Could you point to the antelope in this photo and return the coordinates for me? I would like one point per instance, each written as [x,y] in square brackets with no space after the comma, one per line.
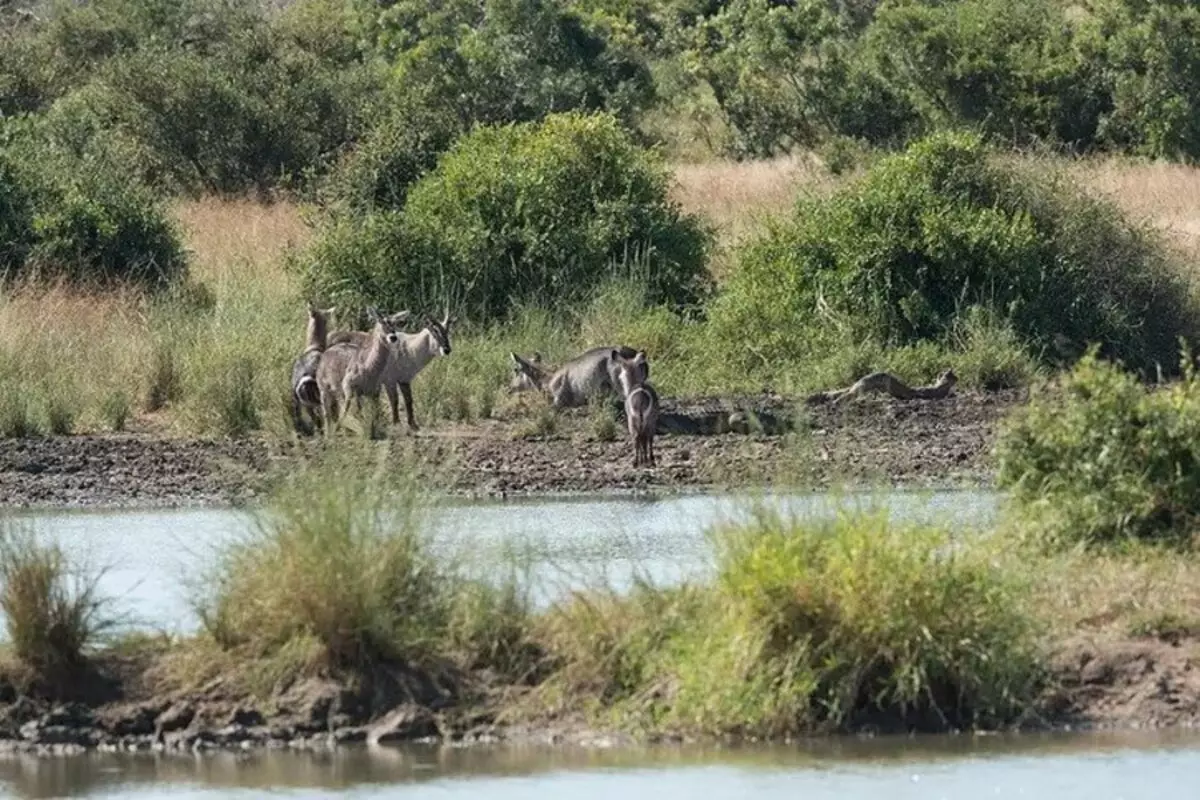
[591,373]
[349,371]
[641,405]
[411,353]
[305,394]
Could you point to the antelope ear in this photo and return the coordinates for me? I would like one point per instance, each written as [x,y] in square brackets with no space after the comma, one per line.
[329,312]
[640,358]
[615,355]
[516,358]
[400,317]
[312,307]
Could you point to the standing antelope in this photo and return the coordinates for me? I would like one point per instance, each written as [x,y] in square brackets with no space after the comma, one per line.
[305,394]
[409,356]
[349,371]
[641,405]
[588,374]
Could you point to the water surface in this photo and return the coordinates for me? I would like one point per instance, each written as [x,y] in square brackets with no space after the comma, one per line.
[155,559]
[1103,766]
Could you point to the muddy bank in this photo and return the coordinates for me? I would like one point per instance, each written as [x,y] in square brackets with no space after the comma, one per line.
[878,440]
[1111,683]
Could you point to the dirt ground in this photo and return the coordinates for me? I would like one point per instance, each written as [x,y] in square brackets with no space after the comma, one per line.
[879,441]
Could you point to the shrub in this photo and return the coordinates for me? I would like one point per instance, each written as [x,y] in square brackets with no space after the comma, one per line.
[502,61]
[52,613]
[525,213]
[16,218]
[340,569]
[1099,458]
[1015,72]
[898,256]
[1155,73]
[809,626]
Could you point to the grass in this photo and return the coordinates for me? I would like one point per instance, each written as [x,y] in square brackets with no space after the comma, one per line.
[213,358]
[340,576]
[808,626]
[54,613]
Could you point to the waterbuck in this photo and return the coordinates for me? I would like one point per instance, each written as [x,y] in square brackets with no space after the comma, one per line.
[410,354]
[641,405]
[349,371]
[576,381]
[306,397]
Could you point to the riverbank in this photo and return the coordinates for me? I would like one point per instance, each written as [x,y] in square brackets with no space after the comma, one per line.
[1106,683]
[876,440]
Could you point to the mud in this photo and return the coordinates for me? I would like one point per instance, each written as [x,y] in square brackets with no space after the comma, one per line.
[1093,684]
[729,442]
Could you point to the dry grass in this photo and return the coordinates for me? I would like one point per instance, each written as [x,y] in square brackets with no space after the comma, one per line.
[1166,195]
[1117,594]
[734,196]
[227,238]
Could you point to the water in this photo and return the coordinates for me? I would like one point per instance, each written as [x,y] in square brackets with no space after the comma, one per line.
[1107,766]
[153,556]
[154,559]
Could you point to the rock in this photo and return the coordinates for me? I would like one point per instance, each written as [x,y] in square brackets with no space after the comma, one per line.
[404,723]
[247,717]
[175,718]
[138,720]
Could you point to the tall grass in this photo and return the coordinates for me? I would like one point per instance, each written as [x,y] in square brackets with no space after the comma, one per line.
[809,626]
[53,610]
[339,573]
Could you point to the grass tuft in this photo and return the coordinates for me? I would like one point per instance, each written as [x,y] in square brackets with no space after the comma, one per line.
[810,626]
[53,613]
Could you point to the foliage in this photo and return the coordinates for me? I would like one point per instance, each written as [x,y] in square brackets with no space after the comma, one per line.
[534,212]
[505,60]
[1099,458]
[898,256]
[53,611]
[809,625]
[80,219]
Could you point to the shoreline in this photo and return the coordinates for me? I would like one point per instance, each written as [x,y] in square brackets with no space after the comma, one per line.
[1129,683]
[940,444]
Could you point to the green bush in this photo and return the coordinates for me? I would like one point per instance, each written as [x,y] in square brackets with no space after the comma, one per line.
[900,255]
[1100,458]
[540,212]
[809,626]
[1150,53]
[1014,71]
[16,218]
[505,60]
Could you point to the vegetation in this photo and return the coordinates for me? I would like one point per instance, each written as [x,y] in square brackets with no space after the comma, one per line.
[53,612]
[808,626]
[900,255]
[340,576]
[1097,458]
[537,212]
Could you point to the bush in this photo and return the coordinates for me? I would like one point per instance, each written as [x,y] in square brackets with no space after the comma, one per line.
[526,213]
[809,626]
[898,256]
[1149,52]
[502,61]
[341,569]
[52,614]
[82,218]
[1014,71]
[1099,458]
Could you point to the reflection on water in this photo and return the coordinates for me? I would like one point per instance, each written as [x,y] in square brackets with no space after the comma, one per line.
[1100,765]
[153,558]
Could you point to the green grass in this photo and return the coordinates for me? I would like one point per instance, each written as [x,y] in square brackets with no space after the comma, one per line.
[807,626]
[339,575]
[54,613]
